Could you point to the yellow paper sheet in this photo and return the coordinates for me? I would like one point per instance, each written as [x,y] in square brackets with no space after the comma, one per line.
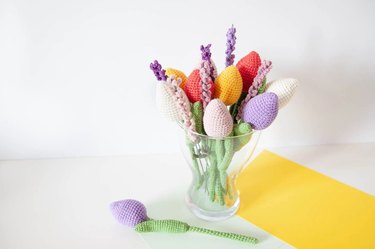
[305,208]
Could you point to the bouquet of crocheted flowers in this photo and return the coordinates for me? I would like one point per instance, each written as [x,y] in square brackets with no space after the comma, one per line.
[232,103]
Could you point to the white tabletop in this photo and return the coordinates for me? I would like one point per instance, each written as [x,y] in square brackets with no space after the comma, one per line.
[63,203]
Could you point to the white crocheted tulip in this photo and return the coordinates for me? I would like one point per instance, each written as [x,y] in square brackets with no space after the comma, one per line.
[165,102]
[283,88]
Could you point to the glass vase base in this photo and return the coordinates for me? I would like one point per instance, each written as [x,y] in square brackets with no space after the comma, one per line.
[212,215]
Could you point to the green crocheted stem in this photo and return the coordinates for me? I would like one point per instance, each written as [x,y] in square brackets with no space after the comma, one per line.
[212,177]
[175,226]
[168,226]
[219,191]
[195,165]
[227,159]
[234,108]
[262,89]
[233,236]
[197,112]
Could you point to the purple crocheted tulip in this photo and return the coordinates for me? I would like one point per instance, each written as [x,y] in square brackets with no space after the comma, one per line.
[261,110]
[129,212]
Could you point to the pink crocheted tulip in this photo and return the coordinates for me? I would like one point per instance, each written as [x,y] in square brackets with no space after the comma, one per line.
[217,120]
[261,110]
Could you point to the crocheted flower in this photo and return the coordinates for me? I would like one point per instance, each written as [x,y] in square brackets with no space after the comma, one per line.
[193,86]
[179,74]
[248,67]
[183,106]
[217,120]
[283,88]
[231,42]
[129,212]
[261,110]
[158,71]
[228,85]
[165,102]
[255,88]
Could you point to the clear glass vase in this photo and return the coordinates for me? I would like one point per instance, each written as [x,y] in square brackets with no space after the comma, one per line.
[215,164]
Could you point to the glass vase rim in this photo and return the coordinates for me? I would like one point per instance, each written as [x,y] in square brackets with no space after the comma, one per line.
[218,138]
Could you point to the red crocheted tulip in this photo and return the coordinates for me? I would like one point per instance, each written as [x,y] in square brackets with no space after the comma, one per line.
[192,87]
[248,67]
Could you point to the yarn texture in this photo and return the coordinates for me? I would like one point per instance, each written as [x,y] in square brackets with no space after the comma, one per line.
[133,213]
[179,74]
[217,120]
[228,85]
[206,83]
[129,212]
[192,86]
[243,131]
[261,111]
[165,102]
[248,67]
[231,42]
[197,112]
[183,106]
[284,89]
[263,70]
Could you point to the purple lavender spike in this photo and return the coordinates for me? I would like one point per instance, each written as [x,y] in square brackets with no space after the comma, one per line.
[129,212]
[206,53]
[231,42]
[158,71]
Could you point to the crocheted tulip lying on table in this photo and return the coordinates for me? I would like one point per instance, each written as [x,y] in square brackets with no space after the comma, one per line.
[227,106]
[133,213]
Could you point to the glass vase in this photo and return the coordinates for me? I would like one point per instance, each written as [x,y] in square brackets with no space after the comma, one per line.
[216,163]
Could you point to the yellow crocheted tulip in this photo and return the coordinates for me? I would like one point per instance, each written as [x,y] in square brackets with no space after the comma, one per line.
[228,85]
[179,74]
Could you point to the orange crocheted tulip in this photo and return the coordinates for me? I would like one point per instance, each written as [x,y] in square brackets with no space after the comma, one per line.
[228,85]
[179,74]
[193,85]
[248,67]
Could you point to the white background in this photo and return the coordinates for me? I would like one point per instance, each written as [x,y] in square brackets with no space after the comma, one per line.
[75,78]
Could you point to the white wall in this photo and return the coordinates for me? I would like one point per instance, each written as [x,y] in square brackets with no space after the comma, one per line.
[74,76]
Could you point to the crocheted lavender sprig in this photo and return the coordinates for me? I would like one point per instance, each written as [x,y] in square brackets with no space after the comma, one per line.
[183,106]
[158,71]
[205,73]
[231,42]
[206,56]
[133,213]
[263,70]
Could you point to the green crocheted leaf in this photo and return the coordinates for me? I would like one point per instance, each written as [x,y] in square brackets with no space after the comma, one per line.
[197,112]
[241,130]
[262,89]
[168,226]
[233,109]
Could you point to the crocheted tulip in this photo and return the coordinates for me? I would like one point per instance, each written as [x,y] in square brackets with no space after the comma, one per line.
[284,89]
[165,102]
[261,110]
[192,86]
[228,85]
[179,74]
[133,213]
[129,212]
[243,133]
[248,67]
[217,120]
